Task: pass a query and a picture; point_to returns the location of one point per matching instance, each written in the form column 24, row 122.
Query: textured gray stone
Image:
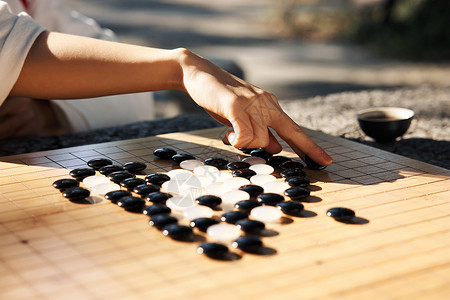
column 428, row 138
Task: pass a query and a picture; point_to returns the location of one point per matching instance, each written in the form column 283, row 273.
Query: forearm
column 61, row 66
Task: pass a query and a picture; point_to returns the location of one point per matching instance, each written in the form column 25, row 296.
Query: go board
column 397, row 246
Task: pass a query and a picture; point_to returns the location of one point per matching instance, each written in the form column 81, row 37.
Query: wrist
column 191, row 66
column 184, row 58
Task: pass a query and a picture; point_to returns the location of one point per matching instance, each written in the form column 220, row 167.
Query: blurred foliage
column 412, row 29
column 408, row 29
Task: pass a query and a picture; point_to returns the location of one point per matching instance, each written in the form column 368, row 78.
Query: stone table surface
column 428, row 138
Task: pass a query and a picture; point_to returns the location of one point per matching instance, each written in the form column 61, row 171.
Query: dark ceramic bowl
column 385, row 124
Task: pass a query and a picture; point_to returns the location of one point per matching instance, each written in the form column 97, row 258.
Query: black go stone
column 106, row 170
column 164, row 153
column 114, row 196
column 341, row 213
column 246, row 173
column 131, row 183
column 312, row 164
column 158, row 197
column 250, row 226
column 248, row 243
column 247, row 205
column 297, row 181
column 270, row 198
column 134, row 166
column 76, row 194
column 218, row 162
column 252, row 189
column 177, row 232
column 290, row 207
column 202, row 224
column 81, row 173
column 97, row 163
column 233, row 216
column 236, row 165
column 291, row 165
column 246, row 150
column 261, row 153
column 157, row 178
column 160, row 221
column 144, row 189
column 297, row 193
column 156, row 209
column 292, row 172
column 213, row 250
column 119, row 176
column 130, row 203
column 209, row 200
column 178, row 158
column 277, row 160
column 65, row 183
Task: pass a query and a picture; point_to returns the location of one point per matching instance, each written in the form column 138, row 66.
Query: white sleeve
column 17, row 35
column 57, row 15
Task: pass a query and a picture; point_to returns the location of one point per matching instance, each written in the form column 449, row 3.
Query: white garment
column 94, row 113
column 17, row 35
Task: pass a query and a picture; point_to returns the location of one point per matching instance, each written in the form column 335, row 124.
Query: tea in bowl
column 385, row 124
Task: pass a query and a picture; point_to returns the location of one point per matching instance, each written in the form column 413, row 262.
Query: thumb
column 242, row 133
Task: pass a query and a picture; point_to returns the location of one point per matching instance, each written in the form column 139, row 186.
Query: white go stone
column 223, row 232
column 179, row 174
column 205, row 170
column 180, row 202
column 236, row 182
column 104, row 188
column 204, row 181
column 262, row 179
column 262, row 169
column 254, row 160
column 234, row 196
column 178, row 186
column 232, row 138
column 266, row 213
column 277, row 187
column 172, row 186
column 217, row 188
column 191, row 164
column 197, row 211
column 92, row 181
column 220, row 176
column 195, row 182
column 193, row 192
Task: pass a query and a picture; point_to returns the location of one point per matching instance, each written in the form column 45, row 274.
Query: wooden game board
column 398, row 246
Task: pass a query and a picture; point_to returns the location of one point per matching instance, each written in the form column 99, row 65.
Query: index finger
column 299, row 141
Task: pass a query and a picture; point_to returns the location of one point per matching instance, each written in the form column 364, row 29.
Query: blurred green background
column 407, row 29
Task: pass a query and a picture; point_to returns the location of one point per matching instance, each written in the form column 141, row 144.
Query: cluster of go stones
column 230, row 202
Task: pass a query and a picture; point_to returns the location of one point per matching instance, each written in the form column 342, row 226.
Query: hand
column 19, row 117
column 248, row 109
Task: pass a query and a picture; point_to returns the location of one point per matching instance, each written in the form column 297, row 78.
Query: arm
column 66, row 66
column 62, row 66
